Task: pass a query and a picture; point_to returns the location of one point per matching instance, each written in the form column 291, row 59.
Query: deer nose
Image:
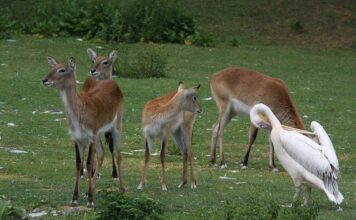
column 92, row 71
column 44, row 81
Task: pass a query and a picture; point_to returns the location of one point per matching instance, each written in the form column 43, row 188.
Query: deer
column 102, row 70
column 172, row 113
column 236, row 91
column 89, row 113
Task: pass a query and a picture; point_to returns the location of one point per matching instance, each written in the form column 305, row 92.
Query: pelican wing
column 306, row 152
column 326, row 144
column 310, row 156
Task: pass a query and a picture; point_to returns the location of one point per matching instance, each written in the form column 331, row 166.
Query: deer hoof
column 90, row 204
column 244, row 167
column 74, row 203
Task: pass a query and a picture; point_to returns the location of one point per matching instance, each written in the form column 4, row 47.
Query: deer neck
column 71, row 101
column 174, row 106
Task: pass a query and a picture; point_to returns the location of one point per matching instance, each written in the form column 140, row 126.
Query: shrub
column 298, row 27
column 119, row 21
column 202, row 39
column 8, row 24
column 235, row 42
column 115, row 205
column 145, row 61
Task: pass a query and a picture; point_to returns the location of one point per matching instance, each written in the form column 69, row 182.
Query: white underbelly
column 239, row 106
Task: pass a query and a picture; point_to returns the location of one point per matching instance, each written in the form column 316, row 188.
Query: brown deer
column 89, row 114
column 236, row 91
column 102, row 70
column 174, row 113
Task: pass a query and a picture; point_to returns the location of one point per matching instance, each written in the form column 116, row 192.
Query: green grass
column 322, row 84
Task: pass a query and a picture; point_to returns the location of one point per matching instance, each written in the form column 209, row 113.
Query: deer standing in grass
column 236, row 91
column 102, row 70
column 174, row 113
column 90, row 113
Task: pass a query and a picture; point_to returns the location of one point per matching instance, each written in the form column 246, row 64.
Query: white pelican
column 306, row 161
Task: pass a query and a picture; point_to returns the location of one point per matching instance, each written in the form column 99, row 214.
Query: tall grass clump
column 118, row 21
column 145, row 61
column 116, row 205
column 10, row 211
column 253, row 208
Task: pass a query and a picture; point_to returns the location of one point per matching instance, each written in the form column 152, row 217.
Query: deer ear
column 51, row 61
column 113, row 56
column 181, row 86
column 71, row 63
column 91, row 54
column 195, row 88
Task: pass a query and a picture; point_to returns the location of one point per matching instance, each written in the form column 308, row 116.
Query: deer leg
column 307, row 197
column 116, row 137
column 99, row 160
column 272, row 165
column 79, row 165
column 162, row 156
column 189, row 141
column 148, row 146
column 223, row 123
column 109, row 141
column 214, row 138
column 251, row 140
column 92, row 147
column 180, row 139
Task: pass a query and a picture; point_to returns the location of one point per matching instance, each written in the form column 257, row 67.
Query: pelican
column 305, row 160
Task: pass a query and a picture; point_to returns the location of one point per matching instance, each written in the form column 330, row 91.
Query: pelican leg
column 272, row 165
column 307, row 197
column 297, row 192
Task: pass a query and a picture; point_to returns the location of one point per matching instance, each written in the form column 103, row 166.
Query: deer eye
column 105, row 62
column 194, row 98
column 62, row 70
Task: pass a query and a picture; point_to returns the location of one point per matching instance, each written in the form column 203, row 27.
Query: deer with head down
column 236, row 91
column 173, row 113
column 90, row 113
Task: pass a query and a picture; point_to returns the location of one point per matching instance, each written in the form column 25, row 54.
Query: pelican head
column 259, row 116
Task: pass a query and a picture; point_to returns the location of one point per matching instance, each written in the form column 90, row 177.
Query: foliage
column 116, row 205
column 202, row 39
column 145, row 62
column 235, row 42
column 298, row 27
column 253, row 208
column 121, row 21
column 9, row 211
column 7, row 24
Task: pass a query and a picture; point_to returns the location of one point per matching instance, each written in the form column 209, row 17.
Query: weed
column 298, row 27
column 235, row 42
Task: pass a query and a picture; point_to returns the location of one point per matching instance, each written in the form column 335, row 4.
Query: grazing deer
column 174, row 113
column 89, row 114
column 236, row 91
column 102, row 70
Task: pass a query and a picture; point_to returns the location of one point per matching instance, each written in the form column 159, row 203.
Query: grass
column 322, row 84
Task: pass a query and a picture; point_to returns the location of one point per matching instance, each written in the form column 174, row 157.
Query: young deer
column 236, row 91
column 89, row 114
column 102, row 70
column 170, row 113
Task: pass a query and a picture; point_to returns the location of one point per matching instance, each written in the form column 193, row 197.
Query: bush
column 235, row 42
column 119, row 21
column 8, row 24
column 115, row 205
column 146, row 61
